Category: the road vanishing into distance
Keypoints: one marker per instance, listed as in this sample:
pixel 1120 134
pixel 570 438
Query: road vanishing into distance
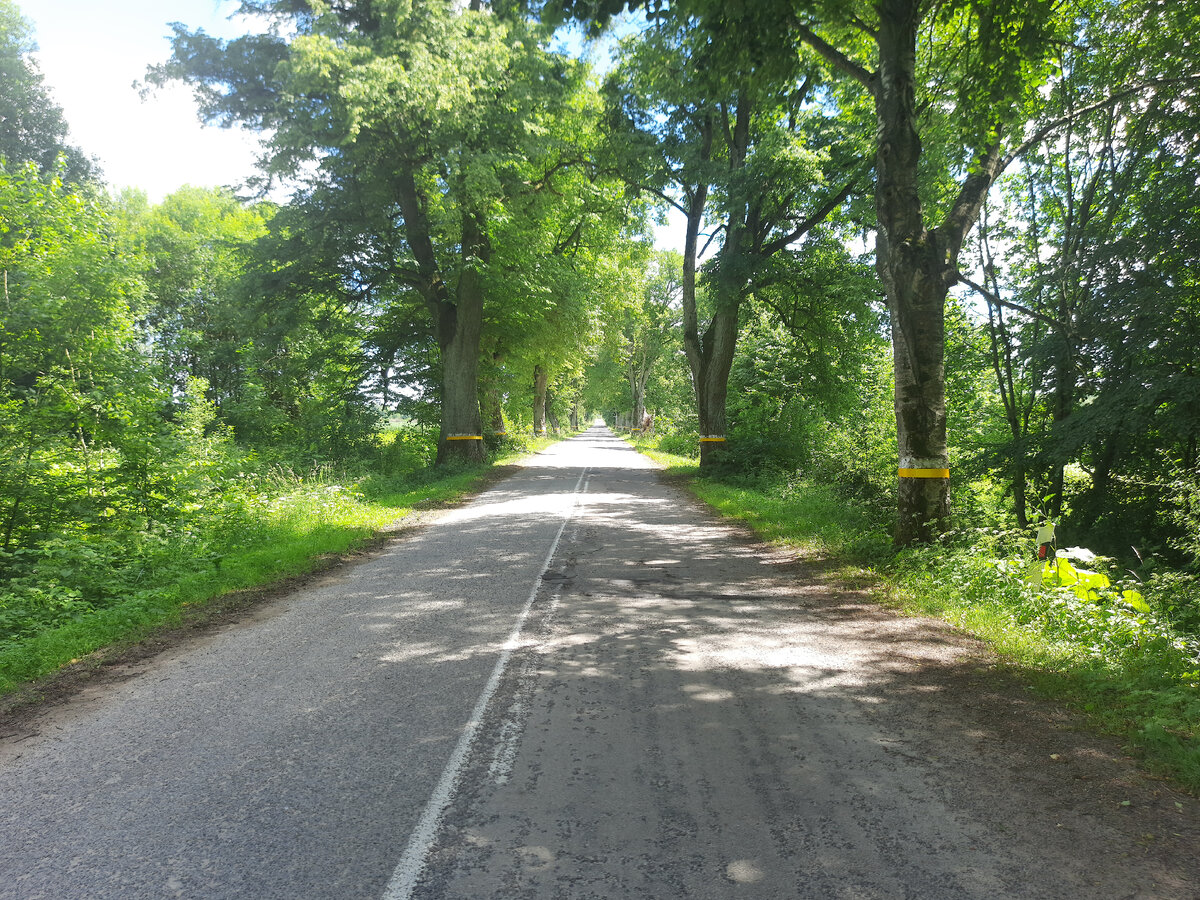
pixel 578 685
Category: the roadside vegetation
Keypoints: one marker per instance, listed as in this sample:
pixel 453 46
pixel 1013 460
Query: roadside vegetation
pixel 242 525
pixel 935 290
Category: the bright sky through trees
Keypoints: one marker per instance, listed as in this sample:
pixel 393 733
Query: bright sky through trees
pixel 92 53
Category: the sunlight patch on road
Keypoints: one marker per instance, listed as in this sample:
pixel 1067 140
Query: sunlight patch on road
pixel 744 871
pixel 557 503
pixel 707 693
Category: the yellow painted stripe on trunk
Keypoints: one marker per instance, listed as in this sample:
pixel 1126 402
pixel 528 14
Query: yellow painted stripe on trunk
pixel 464 437
pixel 924 473
pixel 712 440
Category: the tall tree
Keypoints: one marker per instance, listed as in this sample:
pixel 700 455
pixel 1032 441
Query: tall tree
pixel 1094 229
pixel 961 74
pixel 80 413
pixel 419 118
pixel 650 325
pixel 721 123
pixel 198 245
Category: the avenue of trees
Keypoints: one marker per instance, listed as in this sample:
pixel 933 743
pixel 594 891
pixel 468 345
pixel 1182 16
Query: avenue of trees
pixel 938 254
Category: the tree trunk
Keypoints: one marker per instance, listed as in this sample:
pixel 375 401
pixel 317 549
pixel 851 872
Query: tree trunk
pixel 711 379
pixel 459 329
pixel 692 347
pixel 637 390
pixel 551 416
pixel 458 321
pixel 1064 402
pixel 916 267
pixel 492 408
pixel 712 359
pixel 917 312
pixel 575 416
pixel 540 379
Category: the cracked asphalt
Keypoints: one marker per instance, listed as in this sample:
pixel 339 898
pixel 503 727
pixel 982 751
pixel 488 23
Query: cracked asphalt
pixel 579 685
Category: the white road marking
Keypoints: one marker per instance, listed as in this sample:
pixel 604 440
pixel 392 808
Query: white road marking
pixel 420 842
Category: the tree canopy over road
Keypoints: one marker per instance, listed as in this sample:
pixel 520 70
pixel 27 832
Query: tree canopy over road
pixel 923 252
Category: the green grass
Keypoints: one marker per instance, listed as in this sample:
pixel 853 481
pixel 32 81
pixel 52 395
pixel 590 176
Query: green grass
pixel 289 526
pixel 1132 674
pixel 673 463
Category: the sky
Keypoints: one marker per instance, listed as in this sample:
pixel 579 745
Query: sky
pixel 91 53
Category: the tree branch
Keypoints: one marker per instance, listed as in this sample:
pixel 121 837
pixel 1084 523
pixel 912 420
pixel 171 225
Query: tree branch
pixel 837 58
pixel 999 301
pixel 712 237
pixel 971 195
pixel 812 221
pixel 663 197
pixel 1042 133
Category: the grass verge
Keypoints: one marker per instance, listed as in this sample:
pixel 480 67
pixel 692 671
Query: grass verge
pixel 289 527
pixel 1129 671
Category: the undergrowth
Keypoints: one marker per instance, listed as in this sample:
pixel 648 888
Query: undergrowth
pixel 79 592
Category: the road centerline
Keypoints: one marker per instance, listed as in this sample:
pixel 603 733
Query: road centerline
pixel 408 871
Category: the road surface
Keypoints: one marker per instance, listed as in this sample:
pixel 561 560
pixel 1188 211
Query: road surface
pixel 579 685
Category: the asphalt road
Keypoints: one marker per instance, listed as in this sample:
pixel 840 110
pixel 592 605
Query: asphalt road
pixel 580 685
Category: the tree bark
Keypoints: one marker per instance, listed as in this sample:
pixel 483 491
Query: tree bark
pixel 638 374
pixel 711 379
pixel 492 410
pixel 913 265
pixel 710 357
pixel 458 320
pixel 551 415
pixel 491 407
pixel 540 380
pixel 459 328
pixel 720 338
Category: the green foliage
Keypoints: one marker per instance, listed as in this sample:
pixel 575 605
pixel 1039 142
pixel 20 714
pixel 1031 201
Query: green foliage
pixel 1121 657
pixel 32 127
pixel 1095 361
pixel 811 393
pixel 244 525
pixel 406 450
pixel 455 205
pixel 639 368
pixel 74 596
pixel 82 435
pixel 197 245
pixel 679 441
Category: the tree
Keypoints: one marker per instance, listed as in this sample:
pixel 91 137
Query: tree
pixel 649 328
pixel 32 127
pixel 717 121
pixel 198 244
pixel 421 119
pixel 81 428
pixel 562 255
pixel 892 48
pixel 1091 298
